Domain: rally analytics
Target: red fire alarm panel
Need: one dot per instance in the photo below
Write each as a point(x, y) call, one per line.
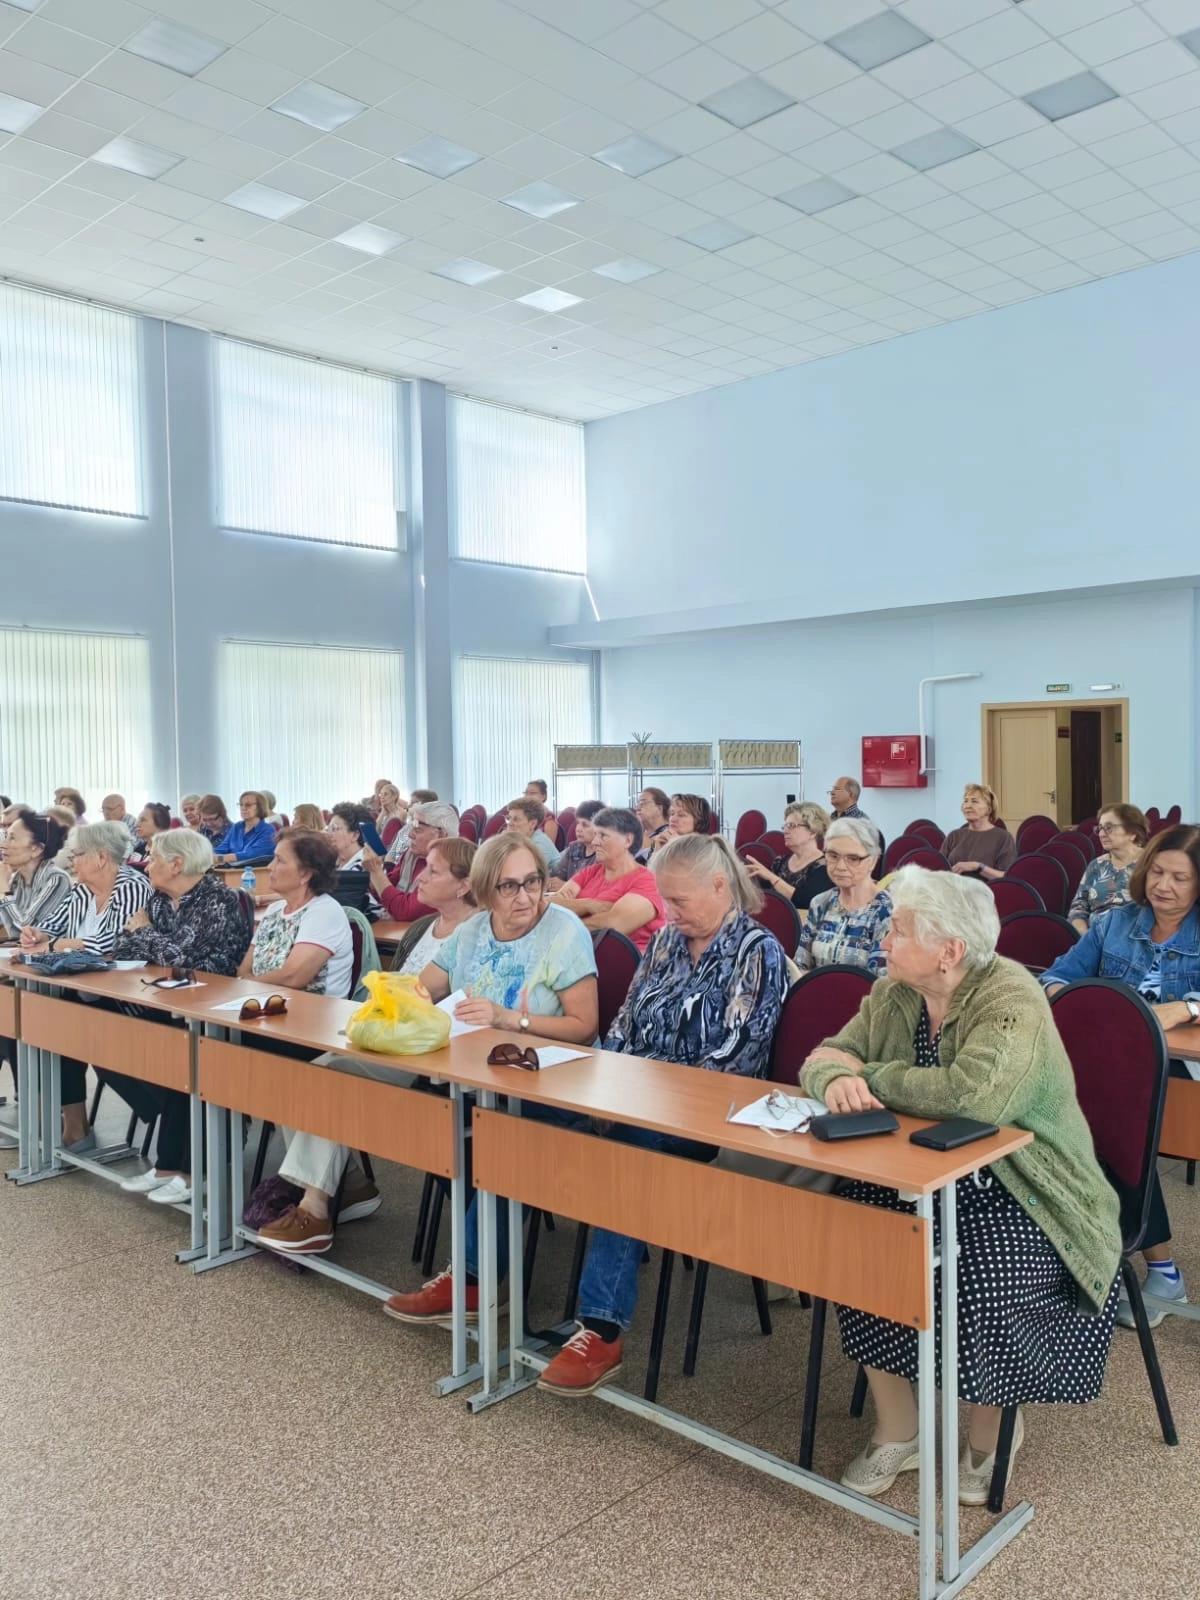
point(892, 761)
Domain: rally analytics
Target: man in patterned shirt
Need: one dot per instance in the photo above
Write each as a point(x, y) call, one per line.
point(844, 798)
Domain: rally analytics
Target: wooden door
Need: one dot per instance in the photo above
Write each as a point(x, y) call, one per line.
point(1022, 762)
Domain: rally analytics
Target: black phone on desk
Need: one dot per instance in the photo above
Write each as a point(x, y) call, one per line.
point(952, 1133)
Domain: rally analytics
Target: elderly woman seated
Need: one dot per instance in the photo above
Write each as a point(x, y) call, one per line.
point(526, 965)
point(251, 839)
point(192, 921)
point(152, 820)
point(189, 810)
point(847, 923)
point(580, 852)
point(392, 812)
point(346, 823)
point(653, 808)
point(74, 802)
point(1123, 832)
point(708, 994)
point(957, 1031)
point(799, 875)
point(396, 889)
point(526, 818)
point(615, 892)
point(982, 844)
point(308, 818)
point(107, 893)
point(1153, 945)
point(214, 821)
point(31, 888)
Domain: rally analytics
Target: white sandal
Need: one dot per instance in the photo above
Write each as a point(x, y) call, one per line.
point(975, 1473)
point(879, 1465)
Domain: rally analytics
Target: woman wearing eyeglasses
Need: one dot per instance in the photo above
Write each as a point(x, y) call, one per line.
point(525, 966)
point(848, 923)
point(799, 874)
point(1105, 882)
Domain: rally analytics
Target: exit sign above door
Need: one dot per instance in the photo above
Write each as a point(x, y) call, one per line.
point(1058, 688)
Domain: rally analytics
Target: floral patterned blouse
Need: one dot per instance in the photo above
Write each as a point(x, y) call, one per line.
point(1103, 886)
point(832, 934)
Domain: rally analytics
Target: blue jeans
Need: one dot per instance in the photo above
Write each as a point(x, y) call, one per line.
point(535, 1113)
point(608, 1290)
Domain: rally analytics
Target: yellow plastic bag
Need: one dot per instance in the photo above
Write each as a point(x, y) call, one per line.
point(400, 1019)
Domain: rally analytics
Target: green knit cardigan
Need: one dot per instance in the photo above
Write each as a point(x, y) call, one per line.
point(1004, 1063)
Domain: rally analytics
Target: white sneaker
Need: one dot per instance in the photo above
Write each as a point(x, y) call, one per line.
point(143, 1182)
point(975, 1471)
point(1158, 1285)
point(174, 1192)
point(879, 1465)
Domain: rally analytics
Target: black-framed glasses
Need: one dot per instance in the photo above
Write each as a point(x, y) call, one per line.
point(509, 888)
point(834, 858)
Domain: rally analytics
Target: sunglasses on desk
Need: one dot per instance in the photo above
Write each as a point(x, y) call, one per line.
point(512, 1055)
point(273, 1006)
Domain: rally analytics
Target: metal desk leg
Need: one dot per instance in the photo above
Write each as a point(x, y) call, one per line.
point(45, 1120)
point(27, 1114)
point(520, 1376)
point(461, 1372)
point(927, 1429)
point(196, 1144)
point(949, 1299)
point(222, 1244)
point(489, 1289)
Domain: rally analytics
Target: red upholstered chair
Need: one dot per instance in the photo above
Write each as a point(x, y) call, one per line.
point(246, 907)
point(558, 838)
point(751, 825)
point(1070, 858)
point(467, 828)
point(779, 915)
point(1047, 877)
point(774, 840)
point(1119, 1058)
point(902, 848)
point(176, 822)
point(929, 831)
point(1174, 816)
point(616, 962)
point(1153, 816)
point(759, 851)
point(931, 860)
point(1034, 832)
point(1083, 839)
point(566, 822)
point(714, 822)
point(495, 824)
point(1012, 895)
point(920, 822)
point(1035, 938)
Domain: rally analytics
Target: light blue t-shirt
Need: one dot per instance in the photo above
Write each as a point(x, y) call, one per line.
point(555, 953)
point(545, 846)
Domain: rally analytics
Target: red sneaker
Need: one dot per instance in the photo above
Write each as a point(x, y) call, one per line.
point(583, 1364)
point(432, 1302)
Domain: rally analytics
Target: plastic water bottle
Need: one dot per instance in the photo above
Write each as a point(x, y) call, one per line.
point(248, 881)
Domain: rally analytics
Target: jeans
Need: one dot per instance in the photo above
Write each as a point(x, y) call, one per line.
point(535, 1113)
point(608, 1290)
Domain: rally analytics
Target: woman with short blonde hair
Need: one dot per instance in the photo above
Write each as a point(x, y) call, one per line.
point(799, 874)
point(981, 845)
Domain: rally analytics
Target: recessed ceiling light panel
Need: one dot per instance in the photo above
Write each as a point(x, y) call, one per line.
point(16, 115)
point(439, 157)
point(130, 155)
point(1080, 93)
point(318, 107)
point(372, 241)
point(747, 102)
point(819, 195)
point(468, 271)
point(550, 300)
point(171, 45)
point(541, 200)
point(935, 149)
point(886, 37)
point(635, 156)
point(628, 269)
point(715, 235)
point(262, 201)
point(1191, 41)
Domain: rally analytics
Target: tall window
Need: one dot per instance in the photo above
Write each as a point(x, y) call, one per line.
point(305, 449)
point(516, 487)
point(75, 712)
point(508, 716)
point(70, 404)
point(309, 722)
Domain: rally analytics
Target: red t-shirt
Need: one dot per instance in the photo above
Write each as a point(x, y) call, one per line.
point(593, 885)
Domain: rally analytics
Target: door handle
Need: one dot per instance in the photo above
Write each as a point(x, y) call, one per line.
point(1051, 794)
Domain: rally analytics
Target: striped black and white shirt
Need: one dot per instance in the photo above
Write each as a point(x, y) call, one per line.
point(27, 905)
point(78, 917)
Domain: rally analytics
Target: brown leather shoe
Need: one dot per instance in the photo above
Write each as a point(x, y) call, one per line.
point(299, 1233)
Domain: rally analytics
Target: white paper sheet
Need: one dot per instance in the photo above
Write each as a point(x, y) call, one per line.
point(129, 966)
point(236, 1005)
point(778, 1112)
point(553, 1055)
point(456, 1027)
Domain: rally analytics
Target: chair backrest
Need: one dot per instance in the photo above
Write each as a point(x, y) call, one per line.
point(751, 825)
point(617, 960)
point(1069, 857)
point(1046, 876)
point(1174, 816)
point(818, 1005)
point(558, 838)
point(1084, 839)
point(931, 860)
point(920, 822)
point(929, 831)
point(1119, 1058)
point(366, 951)
point(495, 824)
point(1153, 817)
point(176, 822)
point(779, 915)
point(759, 851)
point(900, 849)
point(774, 840)
point(468, 828)
point(1012, 895)
point(1034, 832)
point(1035, 938)
point(714, 821)
point(246, 906)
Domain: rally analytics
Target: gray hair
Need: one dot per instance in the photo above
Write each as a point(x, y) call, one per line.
point(854, 787)
point(864, 833)
point(437, 814)
point(709, 854)
point(619, 819)
point(948, 905)
point(192, 850)
point(109, 839)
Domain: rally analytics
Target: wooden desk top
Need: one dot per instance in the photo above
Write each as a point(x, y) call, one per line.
point(1183, 1044)
point(124, 986)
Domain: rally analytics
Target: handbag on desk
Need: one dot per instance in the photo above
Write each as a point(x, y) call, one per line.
point(58, 962)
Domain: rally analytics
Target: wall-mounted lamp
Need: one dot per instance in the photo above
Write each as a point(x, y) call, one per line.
point(1103, 688)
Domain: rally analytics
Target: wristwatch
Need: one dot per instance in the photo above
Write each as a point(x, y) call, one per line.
point(523, 1022)
point(1193, 1009)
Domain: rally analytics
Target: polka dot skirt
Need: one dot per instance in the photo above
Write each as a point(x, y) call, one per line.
point(1021, 1340)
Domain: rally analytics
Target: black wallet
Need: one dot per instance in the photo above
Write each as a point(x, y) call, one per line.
point(852, 1124)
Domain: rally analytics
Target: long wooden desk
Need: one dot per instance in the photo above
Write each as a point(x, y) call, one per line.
point(1181, 1119)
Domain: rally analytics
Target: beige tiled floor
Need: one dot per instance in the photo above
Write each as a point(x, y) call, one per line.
point(260, 1432)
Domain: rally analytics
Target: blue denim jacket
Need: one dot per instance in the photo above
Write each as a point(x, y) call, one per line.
point(1118, 945)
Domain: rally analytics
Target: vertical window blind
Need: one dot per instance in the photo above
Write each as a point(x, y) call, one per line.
point(516, 487)
point(311, 723)
point(508, 716)
point(305, 449)
point(70, 404)
point(75, 712)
